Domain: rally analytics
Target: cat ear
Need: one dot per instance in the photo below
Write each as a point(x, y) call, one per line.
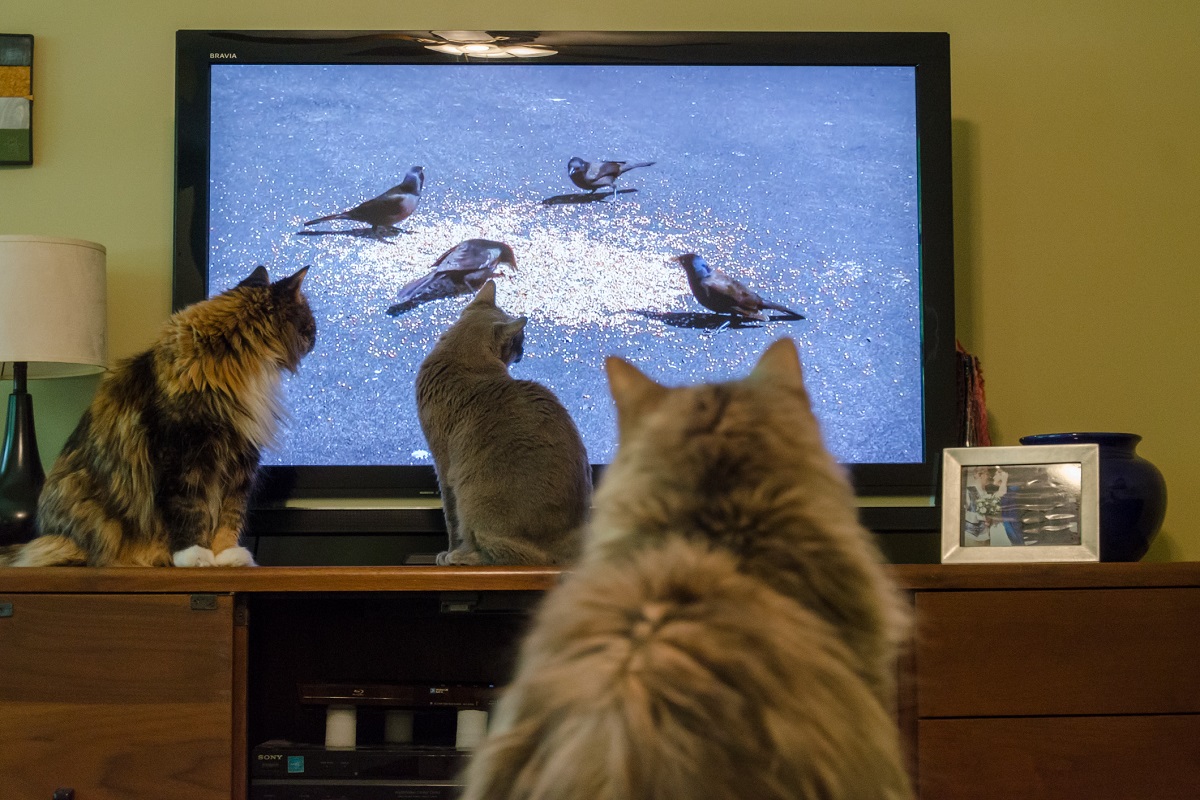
point(780, 363)
point(487, 294)
point(291, 284)
point(257, 278)
point(512, 339)
point(632, 391)
point(508, 330)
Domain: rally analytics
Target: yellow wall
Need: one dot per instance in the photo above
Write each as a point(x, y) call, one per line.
point(1076, 168)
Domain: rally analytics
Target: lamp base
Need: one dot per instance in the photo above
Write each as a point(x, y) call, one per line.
point(21, 474)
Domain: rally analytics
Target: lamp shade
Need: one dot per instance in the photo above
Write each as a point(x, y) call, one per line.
point(53, 297)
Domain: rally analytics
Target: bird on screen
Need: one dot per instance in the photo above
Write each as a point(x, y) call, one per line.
point(385, 212)
point(718, 292)
point(593, 175)
point(463, 269)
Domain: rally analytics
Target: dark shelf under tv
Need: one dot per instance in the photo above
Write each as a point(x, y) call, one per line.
point(323, 521)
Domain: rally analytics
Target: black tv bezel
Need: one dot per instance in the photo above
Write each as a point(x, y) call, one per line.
point(928, 52)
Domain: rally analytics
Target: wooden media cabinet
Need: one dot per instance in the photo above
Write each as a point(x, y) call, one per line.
point(1031, 681)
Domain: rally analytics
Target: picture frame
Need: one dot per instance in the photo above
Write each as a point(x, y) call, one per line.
point(16, 99)
point(1030, 503)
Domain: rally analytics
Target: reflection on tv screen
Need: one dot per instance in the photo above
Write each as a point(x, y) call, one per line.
point(797, 185)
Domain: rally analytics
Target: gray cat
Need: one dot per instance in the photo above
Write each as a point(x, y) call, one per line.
point(515, 479)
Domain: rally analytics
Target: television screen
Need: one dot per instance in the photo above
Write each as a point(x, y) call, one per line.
point(678, 200)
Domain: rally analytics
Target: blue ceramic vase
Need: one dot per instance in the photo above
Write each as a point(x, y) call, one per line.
point(1133, 494)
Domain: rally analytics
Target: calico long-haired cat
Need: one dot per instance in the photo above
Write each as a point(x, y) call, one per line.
point(159, 469)
point(514, 474)
point(729, 633)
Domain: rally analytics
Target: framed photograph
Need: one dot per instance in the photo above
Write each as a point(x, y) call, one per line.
point(1034, 503)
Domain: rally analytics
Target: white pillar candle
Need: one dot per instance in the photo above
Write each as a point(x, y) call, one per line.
point(472, 727)
point(341, 726)
point(398, 726)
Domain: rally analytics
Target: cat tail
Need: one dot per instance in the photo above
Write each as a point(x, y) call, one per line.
point(44, 551)
point(509, 550)
point(671, 674)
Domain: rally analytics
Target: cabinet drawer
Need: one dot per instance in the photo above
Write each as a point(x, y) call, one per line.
point(1053, 758)
point(115, 648)
point(121, 697)
point(1057, 652)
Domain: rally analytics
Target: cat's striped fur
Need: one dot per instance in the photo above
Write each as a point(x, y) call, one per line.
point(160, 467)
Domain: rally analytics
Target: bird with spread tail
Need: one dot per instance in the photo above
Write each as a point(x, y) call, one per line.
point(718, 292)
point(385, 212)
point(463, 269)
point(593, 175)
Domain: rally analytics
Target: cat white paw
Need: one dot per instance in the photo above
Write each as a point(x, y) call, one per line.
point(194, 556)
point(235, 557)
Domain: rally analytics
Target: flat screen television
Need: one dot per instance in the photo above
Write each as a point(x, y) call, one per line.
point(813, 168)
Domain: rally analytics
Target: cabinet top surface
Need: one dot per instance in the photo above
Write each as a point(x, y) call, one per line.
point(918, 577)
point(277, 579)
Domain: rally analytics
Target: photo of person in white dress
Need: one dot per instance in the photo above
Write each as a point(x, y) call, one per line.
point(1020, 505)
